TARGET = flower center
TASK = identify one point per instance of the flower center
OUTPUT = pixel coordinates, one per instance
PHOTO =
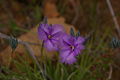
(49, 36)
(72, 47)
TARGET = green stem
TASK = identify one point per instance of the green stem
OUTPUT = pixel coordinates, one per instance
(46, 77)
(42, 49)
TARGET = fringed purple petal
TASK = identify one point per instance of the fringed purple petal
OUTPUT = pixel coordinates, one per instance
(57, 36)
(41, 34)
(49, 45)
(67, 57)
(78, 49)
(45, 27)
(70, 59)
(80, 40)
(63, 55)
(57, 28)
(67, 39)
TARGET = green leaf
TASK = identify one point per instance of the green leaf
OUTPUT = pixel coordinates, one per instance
(13, 25)
(37, 13)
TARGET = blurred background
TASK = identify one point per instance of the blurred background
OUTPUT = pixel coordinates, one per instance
(18, 17)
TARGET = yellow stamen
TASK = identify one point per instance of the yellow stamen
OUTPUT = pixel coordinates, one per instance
(49, 36)
(72, 47)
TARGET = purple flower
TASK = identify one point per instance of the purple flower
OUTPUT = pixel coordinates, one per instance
(51, 35)
(70, 48)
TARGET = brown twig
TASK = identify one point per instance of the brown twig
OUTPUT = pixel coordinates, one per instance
(19, 41)
(75, 6)
(110, 72)
(116, 66)
(26, 44)
(113, 16)
(30, 51)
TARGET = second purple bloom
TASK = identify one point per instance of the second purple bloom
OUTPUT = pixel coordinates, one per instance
(70, 48)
